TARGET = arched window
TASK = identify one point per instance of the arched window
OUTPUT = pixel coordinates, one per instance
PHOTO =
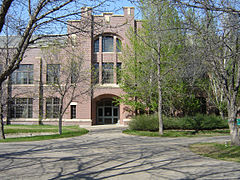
(107, 44)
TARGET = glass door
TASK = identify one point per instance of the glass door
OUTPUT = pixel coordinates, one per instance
(107, 112)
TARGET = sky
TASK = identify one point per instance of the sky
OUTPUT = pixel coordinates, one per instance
(18, 14)
(115, 6)
(118, 4)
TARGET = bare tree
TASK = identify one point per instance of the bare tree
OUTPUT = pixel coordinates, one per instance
(66, 78)
(33, 20)
(216, 26)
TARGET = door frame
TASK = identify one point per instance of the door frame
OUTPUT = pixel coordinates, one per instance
(103, 117)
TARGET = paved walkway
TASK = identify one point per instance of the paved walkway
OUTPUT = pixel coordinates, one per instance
(106, 153)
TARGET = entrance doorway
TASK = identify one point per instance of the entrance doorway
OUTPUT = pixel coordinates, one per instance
(107, 112)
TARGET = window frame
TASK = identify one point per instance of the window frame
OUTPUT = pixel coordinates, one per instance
(108, 73)
(118, 45)
(21, 109)
(23, 75)
(95, 76)
(52, 108)
(96, 45)
(118, 71)
(73, 113)
(107, 43)
(50, 77)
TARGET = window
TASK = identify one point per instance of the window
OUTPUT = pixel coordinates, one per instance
(73, 111)
(74, 72)
(52, 107)
(96, 73)
(74, 77)
(96, 45)
(53, 71)
(119, 66)
(107, 44)
(1, 68)
(23, 75)
(107, 73)
(119, 45)
(22, 108)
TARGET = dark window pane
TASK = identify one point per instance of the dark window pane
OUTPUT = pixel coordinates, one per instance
(107, 73)
(119, 45)
(119, 67)
(115, 112)
(23, 75)
(53, 71)
(52, 107)
(96, 73)
(108, 111)
(96, 45)
(107, 43)
(108, 120)
(100, 112)
(115, 120)
(73, 111)
(22, 108)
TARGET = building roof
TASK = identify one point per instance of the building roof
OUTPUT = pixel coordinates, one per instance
(12, 41)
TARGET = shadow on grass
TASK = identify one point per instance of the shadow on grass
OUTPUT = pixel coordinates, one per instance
(65, 134)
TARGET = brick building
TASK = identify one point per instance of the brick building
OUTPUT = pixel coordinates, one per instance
(100, 47)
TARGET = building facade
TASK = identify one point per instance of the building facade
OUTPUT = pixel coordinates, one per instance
(100, 49)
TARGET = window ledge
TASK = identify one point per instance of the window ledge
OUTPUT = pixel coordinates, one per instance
(109, 85)
(108, 52)
(15, 85)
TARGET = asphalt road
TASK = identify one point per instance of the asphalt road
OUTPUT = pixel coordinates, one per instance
(106, 153)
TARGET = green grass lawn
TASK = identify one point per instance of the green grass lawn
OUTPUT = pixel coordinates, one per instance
(217, 151)
(67, 131)
(175, 133)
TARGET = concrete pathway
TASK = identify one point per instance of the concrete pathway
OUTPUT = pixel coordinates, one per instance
(106, 153)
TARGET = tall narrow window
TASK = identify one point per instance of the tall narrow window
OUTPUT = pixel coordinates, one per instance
(74, 72)
(107, 73)
(23, 75)
(73, 111)
(22, 108)
(107, 44)
(96, 73)
(52, 107)
(119, 45)
(119, 67)
(96, 45)
(53, 71)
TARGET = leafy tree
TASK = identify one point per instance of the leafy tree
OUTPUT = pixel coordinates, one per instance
(154, 54)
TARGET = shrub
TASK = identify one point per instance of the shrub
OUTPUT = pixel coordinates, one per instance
(144, 123)
(197, 122)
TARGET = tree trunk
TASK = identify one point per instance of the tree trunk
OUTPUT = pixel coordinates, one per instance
(60, 115)
(9, 100)
(221, 114)
(232, 122)
(2, 134)
(160, 108)
(60, 125)
(159, 96)
(40, 116)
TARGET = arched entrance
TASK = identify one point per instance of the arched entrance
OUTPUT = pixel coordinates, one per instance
(107, 111)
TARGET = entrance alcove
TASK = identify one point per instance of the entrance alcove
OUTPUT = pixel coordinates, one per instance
(105, 110)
